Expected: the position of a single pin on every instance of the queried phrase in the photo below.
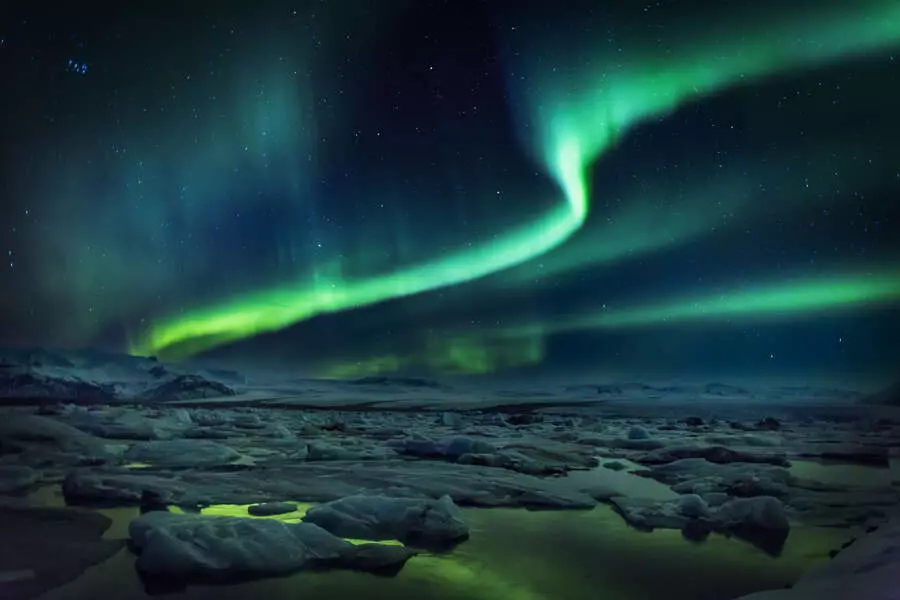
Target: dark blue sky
(161, 162)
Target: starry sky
(347, 188)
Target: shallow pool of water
(518, 555)
(844, 474)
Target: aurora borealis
(457, 188)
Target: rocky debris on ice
(477, 458)
(183, 548)
(468, 485)
(699, 476)
(20, 431)
(248, 420)
(451, 419)
(450, 449)
(83, 487)
(713, 454)
(324, 451)
(535, 457)
(502, 460)
(14, 478)
(422, 522)
(208, 433)
(182, 453)
(638, 432)
(205, 417)
(813, 502)
(456, 446)
(647, 514)
(270, 509)
(123, 424)
(761, 520)
(131, 429)
(867, 569)
(761, 512)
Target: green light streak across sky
(458, 351)
(766, 301)
(577, 121)
(277, 308)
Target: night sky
(347, 187)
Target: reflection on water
(521, 555)
(844, 474)
(50, 496)
(517, 555)
(623, 482)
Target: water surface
(518, 555)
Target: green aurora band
(766, 301)
(456, 351)
(577, 120)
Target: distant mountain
(724, 389)
(186, 387)
(96, 376)
(26, 381)
(377, 380)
